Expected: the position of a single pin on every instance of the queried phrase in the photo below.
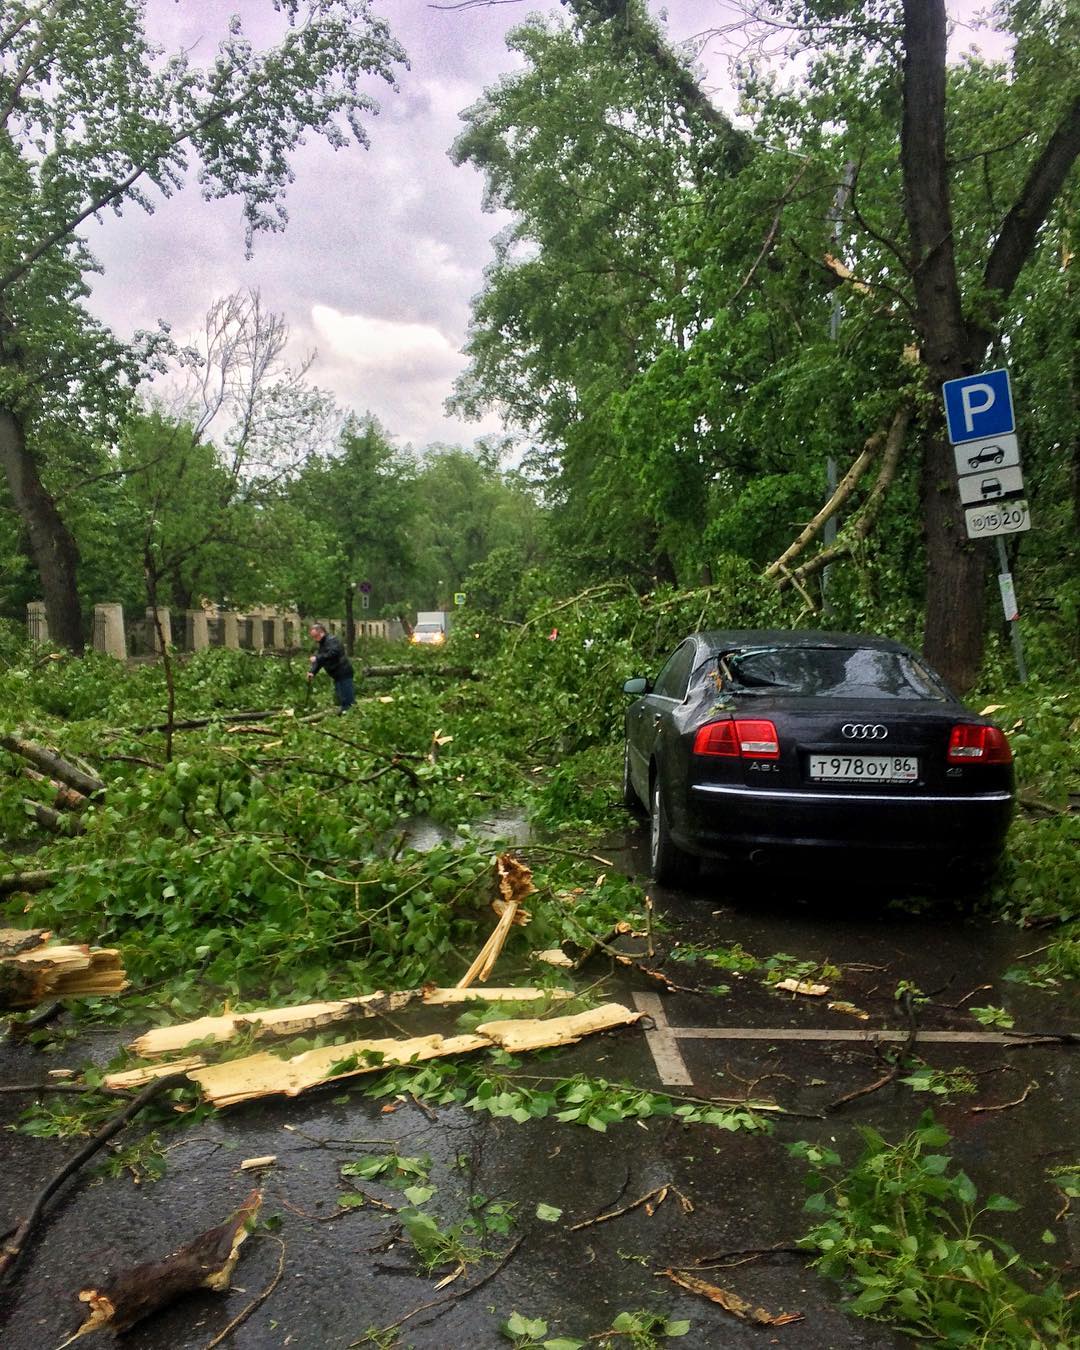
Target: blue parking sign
(978, 406)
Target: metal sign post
(982, 426)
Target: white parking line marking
(663, 1040)
(665, 1049)
(868, 1035)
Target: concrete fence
(194, 630)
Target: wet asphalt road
(341, 1276)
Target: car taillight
(978, 745)
(716, 738)
(750, 738)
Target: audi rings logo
(864, 731)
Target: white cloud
(385, 346)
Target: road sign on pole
(979, 406)
(982, 425)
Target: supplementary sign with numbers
(992, 518)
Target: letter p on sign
(978, 406)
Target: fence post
(109, 636)
(230, 631)
(37, 621)
(198, 630)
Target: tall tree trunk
(955, 590)
(52, 544)
(956, 572)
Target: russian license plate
(864, 768)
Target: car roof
(719, 639)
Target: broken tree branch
(65, 798)
(1004, 1106)
(730, 1302)
(844, 489)
(55, 821)
(651, 1201)
(13, 1250)
(49, 762)
(862, 523)
(60, 971)
(455, 1297)
(206, 1262)
(245, 1313)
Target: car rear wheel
(667, 862)
(630, 798)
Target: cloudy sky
(385, 247)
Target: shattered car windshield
(828, 672)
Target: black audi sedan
(768, 746)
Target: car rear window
(829, 672)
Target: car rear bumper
(726, 819)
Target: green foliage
(899, 1232)
(939, 1083)
(592, 1102)
(732, 957)
(642, 1329)
(390, 1168)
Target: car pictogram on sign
(988, 454)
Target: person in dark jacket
(330, 656)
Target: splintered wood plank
(304, 1017)
(146, 1073)
(283, 1022)
(264, 1075)
(536, 1033)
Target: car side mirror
(640, 685)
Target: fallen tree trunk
(206, 1262)
(39, 880)
(61, 971)
(16, 940)
(52, 764)
(66, 798)
(55, 821)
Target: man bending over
(330, 656)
